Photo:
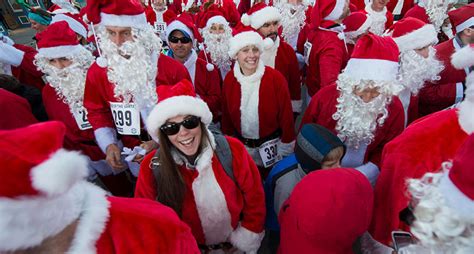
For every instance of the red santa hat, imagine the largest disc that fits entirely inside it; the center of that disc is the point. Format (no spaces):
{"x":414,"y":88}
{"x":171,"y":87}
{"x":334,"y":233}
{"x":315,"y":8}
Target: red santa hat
{"x":123,"y":13}
{"x":37,"y":176}
{"x":331,"y":221}
{"x":411,"y":33}
{"x":260,"y":14}
{"x":183,"y":23}
{"x":180,"y":99}
{"x":457,"y":185}
{"x":331,"y":9}
{"x":58,"y":40}
{"x":242,"y":38}
{"x":356,"y":23}
{"x":374,"y":58}
{"x":462,"y":17}
{"x":212,"y":17}
{"x":74,"y":20}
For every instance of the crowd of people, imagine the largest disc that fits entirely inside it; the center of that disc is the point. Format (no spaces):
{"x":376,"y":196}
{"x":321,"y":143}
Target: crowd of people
{"x":219,"y":126}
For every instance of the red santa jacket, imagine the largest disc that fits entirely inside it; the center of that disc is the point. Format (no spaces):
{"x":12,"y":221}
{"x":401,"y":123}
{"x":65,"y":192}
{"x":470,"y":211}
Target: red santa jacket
{"x":421,"y":148}
{"x":323,"y":106}
{"x":215,"y":207}
{"x":75,"y":139}
{"x":405,"y":7}
{"x":327,"y":57}
{"x":16,"y":111}
{"x":151,"y":15}
{"x":446,"y":91}
{"x":274,"y":106}
{"x":208,"y":86}
{"x":26,"y":72}
{"x":99,"y":91}
{"x":208,"y":59}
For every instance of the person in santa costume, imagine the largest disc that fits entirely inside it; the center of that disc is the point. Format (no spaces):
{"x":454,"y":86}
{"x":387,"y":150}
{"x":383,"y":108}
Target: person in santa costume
{"x":295,"y":15}
{"x":325,"y":51}
{"x":442,"y":133}
{"x":399,"y":7}
{"x":276,"y":53}
{"x":65,"y":63}
{"x":361,"y":107}
{"x":326,"y":212}
{"x":75,"y":23}
{"x":158,"y":15}
{"x":187,"y":174}
{"x":228,"y":8}
{"x":450,"y":88}
{"x":382,"y":18}
{"x":356,"y":25}
{"x":433,"y":12}
{"x":17,"y":60}
{"x":46,"y":206}
{"x":16,"y":111}
{"x":181,"y":35}
{"x":256,"y":103}
{"x":443,"y":206}
{"x":216,"y":34}
{"x":418,"y":62}
{"x":121,"y":84}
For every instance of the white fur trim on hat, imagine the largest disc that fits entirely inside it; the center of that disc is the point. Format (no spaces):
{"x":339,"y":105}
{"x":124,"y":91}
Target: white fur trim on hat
{"x":75,"y":25}
{"x":246,"y":240}
{"x":371,"y":69}
{"x":135,"y":21}
{"x":466,"y":24}
{"x":463,"y":58}
{"x":456,"y":199}
{"x":244,"y":39}
{"x":174,"y":106}
{"x":178,"y":25}
{"x":217,"y":20}
{"x":417,"y":39}
{"x":58,"y":173}
{"x":336,"y":13}
{"x":362,"y":29}
{"x":267,"y":14}
{"x":60,"y":51}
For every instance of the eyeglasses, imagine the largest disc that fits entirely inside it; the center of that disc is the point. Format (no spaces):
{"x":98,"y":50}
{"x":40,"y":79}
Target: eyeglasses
{"x":173,"y":128}
{"x":174,"y":39}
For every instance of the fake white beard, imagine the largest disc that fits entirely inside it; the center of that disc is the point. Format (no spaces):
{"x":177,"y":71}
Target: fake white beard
{"x":134,"y":76}
{"x":357,"y":120}
{"x":69,"y":82}
{"x":378,"y":20}
{"x":437,"y":12}
{"x":292,"y":19}
{"x":415,"y":69}
{"x":218,"y":46}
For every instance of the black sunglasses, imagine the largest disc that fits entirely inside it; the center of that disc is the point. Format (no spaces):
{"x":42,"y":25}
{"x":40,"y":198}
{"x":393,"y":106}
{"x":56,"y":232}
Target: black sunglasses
{"x":173,"y":128}
{"x":174,"y":39}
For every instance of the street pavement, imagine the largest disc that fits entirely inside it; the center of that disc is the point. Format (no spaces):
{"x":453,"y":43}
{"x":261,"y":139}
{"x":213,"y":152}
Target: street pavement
{"x":23,"y":36}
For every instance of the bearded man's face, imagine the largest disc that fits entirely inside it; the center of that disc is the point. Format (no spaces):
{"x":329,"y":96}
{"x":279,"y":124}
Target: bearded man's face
{"x":119,"y":35}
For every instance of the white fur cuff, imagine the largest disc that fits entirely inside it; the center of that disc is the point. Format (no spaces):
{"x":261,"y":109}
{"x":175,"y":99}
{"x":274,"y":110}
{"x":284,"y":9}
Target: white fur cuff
{"x":246,"y":240}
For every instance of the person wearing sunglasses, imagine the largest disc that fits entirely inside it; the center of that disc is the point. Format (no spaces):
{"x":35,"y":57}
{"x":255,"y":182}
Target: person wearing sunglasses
{"x":256,"y":103}
{"x":187,"y":174}
{"x":181,"y":34}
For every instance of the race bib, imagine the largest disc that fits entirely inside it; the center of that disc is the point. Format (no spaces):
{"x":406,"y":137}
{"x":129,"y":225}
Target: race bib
{"x":160,"y":27}
{"x":307,"y":51}
{"x":81,"y":119}
{"x":126,"y":118}
{"x":269,"y":152}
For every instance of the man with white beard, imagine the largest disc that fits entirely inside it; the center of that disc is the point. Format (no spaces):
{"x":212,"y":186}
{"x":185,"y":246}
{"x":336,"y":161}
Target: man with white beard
{"x":362,"y":107}
{"x":121,"y":84}
{"x":216,"y":33}
{"x":65,"y":63}
{"x":418,"y":63}
{"x":294,"y":14}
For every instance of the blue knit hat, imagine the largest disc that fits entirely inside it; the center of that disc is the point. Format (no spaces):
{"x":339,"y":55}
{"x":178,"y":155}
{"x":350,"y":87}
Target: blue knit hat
{"x":313,"y":143}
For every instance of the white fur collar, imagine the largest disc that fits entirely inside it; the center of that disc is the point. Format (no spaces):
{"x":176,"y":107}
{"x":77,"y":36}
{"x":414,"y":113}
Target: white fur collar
{"x":257,"y":76}
{"x":269,"y":55}
{"x":369,"y":10}
{"x":203,"y":159}
{"x":190,"y":64}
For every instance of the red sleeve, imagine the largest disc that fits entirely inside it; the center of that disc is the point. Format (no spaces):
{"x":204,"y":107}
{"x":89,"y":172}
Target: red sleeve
{"x":16,"y":111}
{"x":28,"y":59}
{"x":226,"y":121}
{"x":250,"y":183}
{"x":209,"y":89}
{"x":389,"y":21}
{"x":146,"y":184}
{"x":312,"y":112}
{"x":287,"y":124}
{"x":294,"y":78}
{"x":330,"y":63}
{"x":98,"y":109}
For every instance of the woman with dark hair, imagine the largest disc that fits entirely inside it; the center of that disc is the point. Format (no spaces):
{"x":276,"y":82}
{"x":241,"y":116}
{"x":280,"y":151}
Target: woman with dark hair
{"x":224,"y":207}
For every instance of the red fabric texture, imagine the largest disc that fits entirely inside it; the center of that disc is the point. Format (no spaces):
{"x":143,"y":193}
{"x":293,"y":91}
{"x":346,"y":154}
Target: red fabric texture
{"x":421,"y":148}
{"x":274,"y":106}
{"x":287,"y":64}
{"x":168,"y":15}
{"x":418,"y":12}
{"x":354,"y":21}
{"x":406,"y":6}
{"x":323,"y":106}
{"x":327,"y":58}
{"x":229,"y":10}
{"x":461,"y":15}
{"x":244,"y":198}
{"x":461,"y":173}
{"x":16,"y":111}
{"x":27,"y":73}
{"x":406,"y":26}
{"x":208,"y":87}
{"x":373,"y":47}
{"x":22,"y":149}
{"x":115,"y":7}
{"x":142,"y":226}
{"x":442,"y":94}
{"x":329,"y":220}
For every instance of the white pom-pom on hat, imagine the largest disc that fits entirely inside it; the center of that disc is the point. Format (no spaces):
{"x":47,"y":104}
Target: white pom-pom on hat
{"x":209,"y":67}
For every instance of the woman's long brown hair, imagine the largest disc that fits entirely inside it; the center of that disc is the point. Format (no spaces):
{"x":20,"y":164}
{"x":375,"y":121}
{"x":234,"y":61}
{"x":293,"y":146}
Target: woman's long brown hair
{"x":169,"y":181}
